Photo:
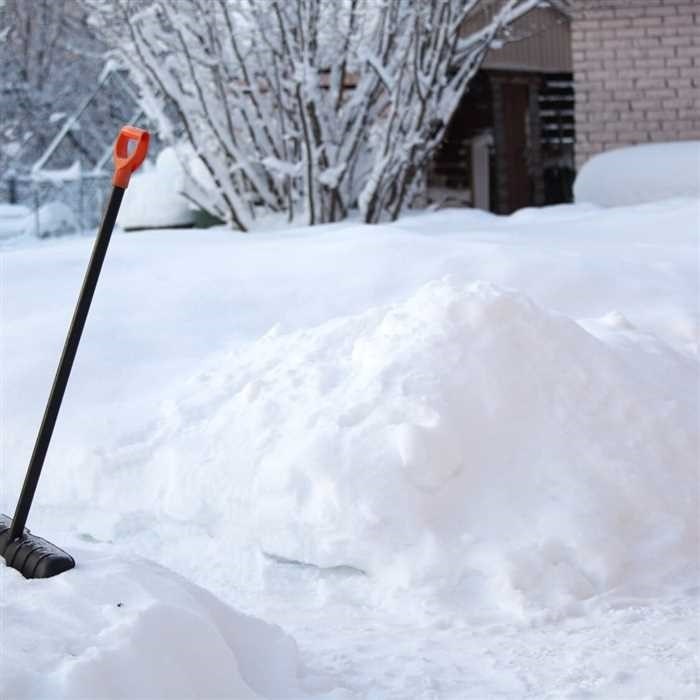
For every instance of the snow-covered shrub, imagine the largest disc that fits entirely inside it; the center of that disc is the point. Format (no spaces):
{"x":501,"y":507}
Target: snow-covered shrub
{"x":637,"y":174}
{"x":306,"y":106}
{"x":155,"y":201}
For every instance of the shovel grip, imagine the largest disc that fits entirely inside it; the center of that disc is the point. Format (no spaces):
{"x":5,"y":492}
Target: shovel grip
{"x":126,"y":163}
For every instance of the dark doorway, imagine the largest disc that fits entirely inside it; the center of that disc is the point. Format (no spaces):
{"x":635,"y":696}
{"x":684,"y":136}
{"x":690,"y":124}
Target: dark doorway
{"x":527,"y":119}
{"x":516,"y":98}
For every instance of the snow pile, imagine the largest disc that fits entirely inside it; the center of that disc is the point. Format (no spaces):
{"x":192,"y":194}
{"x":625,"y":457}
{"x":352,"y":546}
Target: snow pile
{"x":116,"y":628}
{"x":638,"y":174}
{"x":462,"y":439}
{"x":153,"y":199}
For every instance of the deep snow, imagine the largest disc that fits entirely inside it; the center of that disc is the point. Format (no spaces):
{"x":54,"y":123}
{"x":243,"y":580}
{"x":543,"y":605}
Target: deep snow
{"x":452,"y":457}
{"x":117,"y":628}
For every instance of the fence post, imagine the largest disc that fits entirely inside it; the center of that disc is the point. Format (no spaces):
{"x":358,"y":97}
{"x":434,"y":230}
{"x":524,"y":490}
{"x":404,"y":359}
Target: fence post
{"x":81,"y":209}
{"x":12,"y":186}
{"x":35,"y":192}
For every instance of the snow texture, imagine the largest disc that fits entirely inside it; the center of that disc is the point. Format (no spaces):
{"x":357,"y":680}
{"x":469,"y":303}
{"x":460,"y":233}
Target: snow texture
{"x":311,"y":109}
{"x":117,"y":628}
{"x":452,"y":456}
{"x":464,"y":437}
{"x":638,"y":174}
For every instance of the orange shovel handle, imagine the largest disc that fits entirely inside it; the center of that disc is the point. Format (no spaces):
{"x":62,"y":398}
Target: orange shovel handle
{"x":125,"y":164}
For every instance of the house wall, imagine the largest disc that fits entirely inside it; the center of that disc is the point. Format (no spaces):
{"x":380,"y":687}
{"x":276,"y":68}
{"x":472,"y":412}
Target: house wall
{"x":541,"y":42}
{"x":636,"y":72}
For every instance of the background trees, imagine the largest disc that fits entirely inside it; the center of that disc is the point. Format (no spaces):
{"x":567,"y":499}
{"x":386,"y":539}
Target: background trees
{"x":308,"y":107}
{"x":50,"y":59}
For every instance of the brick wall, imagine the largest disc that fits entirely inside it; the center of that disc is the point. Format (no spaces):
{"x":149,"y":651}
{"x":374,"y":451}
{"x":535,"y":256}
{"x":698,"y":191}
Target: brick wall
{"x":636,"y":72}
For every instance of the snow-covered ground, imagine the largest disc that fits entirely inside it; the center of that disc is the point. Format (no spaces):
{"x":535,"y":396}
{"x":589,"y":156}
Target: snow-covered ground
{"x":122,"y":627}
{"x":455,"y":456}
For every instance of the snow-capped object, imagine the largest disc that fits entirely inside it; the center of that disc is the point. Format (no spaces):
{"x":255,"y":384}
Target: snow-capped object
{"x":154,"y":197}
{"x":638,"y":174}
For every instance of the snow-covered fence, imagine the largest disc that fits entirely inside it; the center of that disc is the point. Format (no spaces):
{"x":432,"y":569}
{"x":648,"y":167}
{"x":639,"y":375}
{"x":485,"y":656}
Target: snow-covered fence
{"x":84,"y":193}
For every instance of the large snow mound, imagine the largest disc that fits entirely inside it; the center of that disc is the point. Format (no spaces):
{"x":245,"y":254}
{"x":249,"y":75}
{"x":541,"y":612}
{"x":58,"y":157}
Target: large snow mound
{"x":464,"y":438}
{"x":639,"y":174}
{"x":119,"y":628}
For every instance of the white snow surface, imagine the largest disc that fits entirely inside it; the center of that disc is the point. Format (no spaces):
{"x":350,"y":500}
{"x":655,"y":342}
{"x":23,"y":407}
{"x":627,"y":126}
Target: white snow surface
{"x":13,"y":211}
{"x":12,"y":220}
{"x":637,"y":174}
{"x":455,"y":456}
{"x":117,"y":628}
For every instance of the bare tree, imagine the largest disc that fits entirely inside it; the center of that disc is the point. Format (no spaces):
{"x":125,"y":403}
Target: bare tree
{"x":308,"y":107}
{"x":49,"y":60}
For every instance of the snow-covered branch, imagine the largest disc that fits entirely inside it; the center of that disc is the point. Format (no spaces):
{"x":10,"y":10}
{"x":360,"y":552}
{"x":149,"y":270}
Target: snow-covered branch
{"x":307,"y":106}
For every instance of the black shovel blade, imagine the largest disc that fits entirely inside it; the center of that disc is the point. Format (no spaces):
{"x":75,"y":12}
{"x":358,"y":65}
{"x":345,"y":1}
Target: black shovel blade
{"x":32,"y":556}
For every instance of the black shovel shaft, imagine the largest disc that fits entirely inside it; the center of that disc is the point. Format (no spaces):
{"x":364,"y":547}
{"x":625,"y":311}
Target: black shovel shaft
{"x":65,"y":364}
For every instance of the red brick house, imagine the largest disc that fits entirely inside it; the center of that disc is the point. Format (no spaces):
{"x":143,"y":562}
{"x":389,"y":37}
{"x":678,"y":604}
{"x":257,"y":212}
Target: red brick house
{"x":581,"y":77}
{"x":636,"y":72}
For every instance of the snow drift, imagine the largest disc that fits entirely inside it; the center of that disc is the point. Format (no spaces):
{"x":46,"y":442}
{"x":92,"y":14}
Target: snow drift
{"x":116,"y":628}
{"x":638,"y":174}
{"x":463,"y":439}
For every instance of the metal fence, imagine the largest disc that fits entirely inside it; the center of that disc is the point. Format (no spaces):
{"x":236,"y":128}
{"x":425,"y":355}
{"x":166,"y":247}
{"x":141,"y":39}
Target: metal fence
{"x":84,"y":193}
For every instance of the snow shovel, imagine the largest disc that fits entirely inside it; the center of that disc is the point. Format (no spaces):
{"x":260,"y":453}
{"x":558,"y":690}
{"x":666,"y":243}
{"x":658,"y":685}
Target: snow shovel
{"x":33,"y":556}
